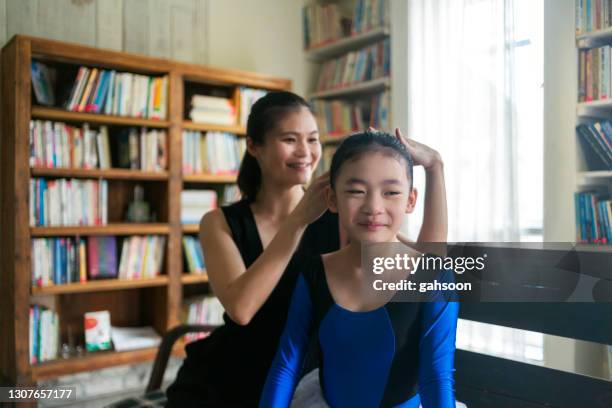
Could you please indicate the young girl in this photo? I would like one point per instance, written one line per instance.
(390, 354)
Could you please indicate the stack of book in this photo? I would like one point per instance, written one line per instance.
(323, 24)
(142, 256)
(202, 310)
(194, 255)
(593, 15)
(339, 117)
(596, 142)
(68, 202)
(196, 203)
(44, 334)
(212, 110)
(212, 152)
(594, 74)
(593, 217)
(56, 144)
(118, 93)
(57, 261)
(364, 65)
(248, 96)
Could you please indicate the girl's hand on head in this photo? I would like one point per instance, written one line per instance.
(313, 204)
(422, 155)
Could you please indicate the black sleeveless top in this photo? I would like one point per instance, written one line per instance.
(229, 367)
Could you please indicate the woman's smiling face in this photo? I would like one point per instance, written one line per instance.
(291, 150)
(372, 195)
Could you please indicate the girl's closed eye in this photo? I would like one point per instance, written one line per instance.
(393, 193)
(355, 191)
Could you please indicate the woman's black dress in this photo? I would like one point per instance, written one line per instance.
(229, 368)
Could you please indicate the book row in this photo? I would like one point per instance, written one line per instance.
(118, 93)
(594, 74)
(364, 65)
(63, 260)
(205, 310)
(329, 22)
(68, 202)
(193, 255)
(338, 117)
(324, 23)
(44, 334)
(593, 15)
(596, 143)
(212, 152)
(58, 145)
(593, 217)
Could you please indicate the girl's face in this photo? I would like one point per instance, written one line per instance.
(372, 195)
(290, 151)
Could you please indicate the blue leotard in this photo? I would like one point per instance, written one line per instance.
(398, 355)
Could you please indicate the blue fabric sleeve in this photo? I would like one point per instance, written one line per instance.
(437, 352)
(286, 367)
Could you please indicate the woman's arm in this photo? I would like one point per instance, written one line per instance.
(287, 365)
(437, 350)
(242, 291)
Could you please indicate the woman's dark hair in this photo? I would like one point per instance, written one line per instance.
(264, 116)
(359, 143)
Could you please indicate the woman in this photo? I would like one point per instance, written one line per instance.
(253, 250)
(374, 352)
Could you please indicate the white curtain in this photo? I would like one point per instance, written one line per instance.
(461, 89)
(462, 102)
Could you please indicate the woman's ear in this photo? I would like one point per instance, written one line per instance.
(331, 199)
(251, 147)
(412, 198)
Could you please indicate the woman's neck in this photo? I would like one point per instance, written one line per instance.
(277, 202)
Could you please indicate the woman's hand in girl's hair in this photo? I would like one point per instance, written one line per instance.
(422, 155)
(313, 204)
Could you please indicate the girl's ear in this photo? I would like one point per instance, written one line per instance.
(412, 198)
(331, 199)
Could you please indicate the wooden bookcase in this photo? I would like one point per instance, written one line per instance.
(155, 301)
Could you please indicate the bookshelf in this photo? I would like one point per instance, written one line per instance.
(350, 60)
(154, 301)
(593, 139)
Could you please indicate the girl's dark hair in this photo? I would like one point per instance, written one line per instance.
(359, 143)
(264, 116)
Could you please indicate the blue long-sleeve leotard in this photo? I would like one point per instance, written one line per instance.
(398, 355)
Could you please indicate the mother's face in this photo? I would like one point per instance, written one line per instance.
(291, 150)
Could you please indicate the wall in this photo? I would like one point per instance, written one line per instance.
(263, 36)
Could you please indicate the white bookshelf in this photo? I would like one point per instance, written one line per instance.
(317, 55)
(368, 87)
(347, 44)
